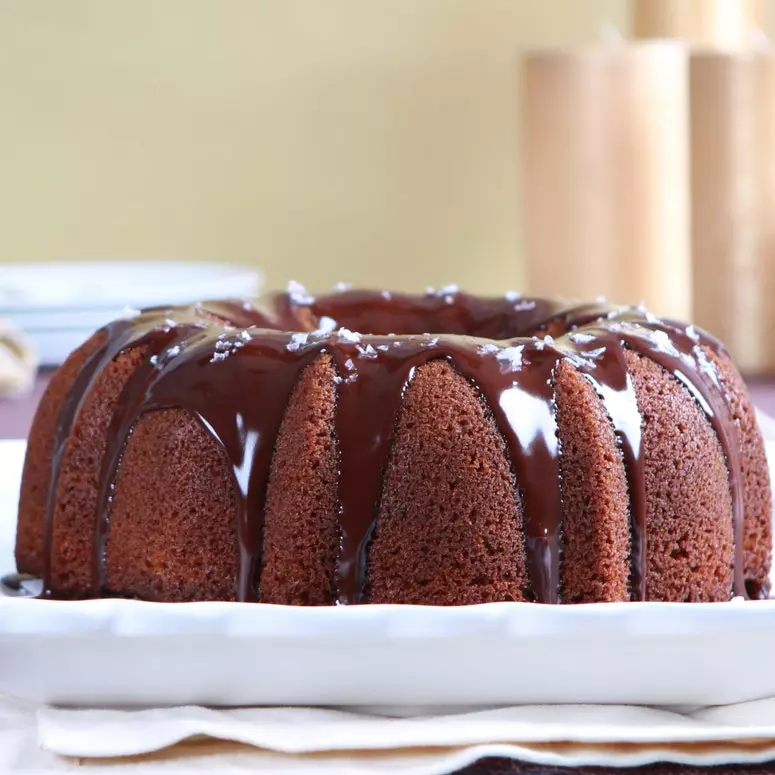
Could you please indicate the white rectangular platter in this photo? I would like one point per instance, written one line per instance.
(122, 652)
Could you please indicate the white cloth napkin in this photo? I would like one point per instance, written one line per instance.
(18, 362)
(324, 740)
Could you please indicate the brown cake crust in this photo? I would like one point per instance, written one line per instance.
(72, 544)
(36, 477)
(449, 524)
(596, 521)
(173, 526)
(689, 536)
(301, 534)
(448, 458)
(757, 527)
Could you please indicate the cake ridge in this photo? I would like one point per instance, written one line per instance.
(515, 370)
(159, 326)
(689, 364)
(625, 418)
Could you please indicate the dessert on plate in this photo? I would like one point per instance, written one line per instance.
(373, 447)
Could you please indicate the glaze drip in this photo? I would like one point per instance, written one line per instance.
(606, 369)
(373, 377)
(238, 382)
(158, 330)
(682, 355)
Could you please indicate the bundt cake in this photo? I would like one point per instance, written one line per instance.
(525, 450)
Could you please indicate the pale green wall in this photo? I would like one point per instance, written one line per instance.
(373, 141)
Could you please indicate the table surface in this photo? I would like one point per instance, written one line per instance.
(16, 413)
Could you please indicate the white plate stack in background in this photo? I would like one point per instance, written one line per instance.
(58, 306)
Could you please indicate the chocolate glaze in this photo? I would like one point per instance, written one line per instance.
(682, 352)
(158, 329)
(604, 366)
(233, 365)
(447, 311)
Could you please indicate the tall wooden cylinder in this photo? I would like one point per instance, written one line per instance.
(567, 229)
(649, 158)
(733, 201)
(764, 167)
(606, 175)
(719, 23)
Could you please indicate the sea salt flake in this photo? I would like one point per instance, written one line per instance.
(342, 287)
(366, 351)
(579, 337)
(489, 349)
(326, 325)
(130, 312)
(348, 336)
(546, 341)
(299, 294)
(664, 342)
(512, 296)
(297, 342)
(511, 356)
(524, 305)
(445, 291)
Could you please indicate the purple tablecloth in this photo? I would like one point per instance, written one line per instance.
(16, 413)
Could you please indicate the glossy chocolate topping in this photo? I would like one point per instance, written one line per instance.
(235, 364)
